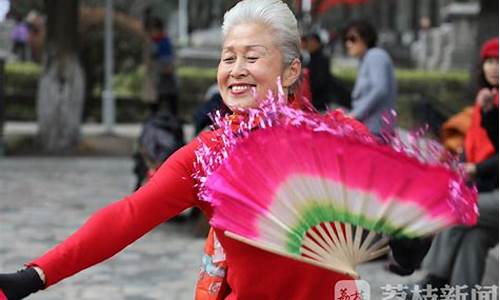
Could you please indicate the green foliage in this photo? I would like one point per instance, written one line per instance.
(128, 84)
(198, 73)
(128, 44)
(21, 78)
(410, 76)
(446, 89)
(25, 68)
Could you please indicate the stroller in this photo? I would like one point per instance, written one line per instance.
(161, 135)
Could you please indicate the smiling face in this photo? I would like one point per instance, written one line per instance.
(250, 61)
(490, 69)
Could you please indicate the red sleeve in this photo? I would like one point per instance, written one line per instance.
(342, 117)
(112, 228)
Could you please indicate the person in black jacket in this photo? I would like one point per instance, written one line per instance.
(325, 88)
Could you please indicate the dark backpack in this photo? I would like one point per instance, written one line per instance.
(161, 136)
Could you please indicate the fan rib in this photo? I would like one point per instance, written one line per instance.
(380, 244)
(348, 235)
(370, 187)
(314, 247)
(339, 269)
(317, 238)
(413, 217)
(324, 257)
(367, 241)
(357, 242)
(386, 210)
(325, 237)
(389, 206)
(329, 247)
(343, 242)
(375, 254)
(325, 186)
(289, 206)
(306, 250)
(273, 218)
(337, 240)
(342, 179)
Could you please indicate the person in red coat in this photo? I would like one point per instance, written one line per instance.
(261, 44)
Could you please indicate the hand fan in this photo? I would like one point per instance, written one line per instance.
(322, 198)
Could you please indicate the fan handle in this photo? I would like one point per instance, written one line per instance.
(345, 271)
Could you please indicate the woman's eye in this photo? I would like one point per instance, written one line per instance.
(252, 58)
(228, 59)
(491, 60)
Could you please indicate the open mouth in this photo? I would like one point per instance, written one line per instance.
(242, 88)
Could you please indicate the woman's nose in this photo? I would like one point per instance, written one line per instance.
(239, 69)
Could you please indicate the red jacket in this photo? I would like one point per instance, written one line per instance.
(252, 273)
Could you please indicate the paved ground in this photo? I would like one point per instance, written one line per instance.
(45, 199)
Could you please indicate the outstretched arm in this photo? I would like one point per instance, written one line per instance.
(117, 225)
(113, 227)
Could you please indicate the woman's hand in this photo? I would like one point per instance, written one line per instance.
(470, 169)
(485, 99)
(20, 284)
(408, 254)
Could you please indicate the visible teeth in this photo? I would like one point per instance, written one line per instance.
(239, 88)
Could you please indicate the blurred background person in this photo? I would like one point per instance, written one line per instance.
(325, 88)
(36, 36)
(304, 90)
(421, 47)
(212, 101)
(161, 133)
(161, 88)
(375, 89)
(164, 63)
(458, 256)
(19, 36)
(304, 52)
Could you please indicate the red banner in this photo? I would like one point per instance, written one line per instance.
(325, 5)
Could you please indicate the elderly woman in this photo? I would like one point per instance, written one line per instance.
(261, 44)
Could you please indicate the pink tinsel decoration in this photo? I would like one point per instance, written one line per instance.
(274, 111)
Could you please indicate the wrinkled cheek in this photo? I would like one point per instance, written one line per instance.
(264, 92)
(222, 76)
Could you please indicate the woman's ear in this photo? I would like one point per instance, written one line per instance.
(291, 73)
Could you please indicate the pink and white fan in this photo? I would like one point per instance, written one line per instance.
(321, 197)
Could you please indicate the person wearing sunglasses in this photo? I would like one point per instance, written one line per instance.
(375, 89)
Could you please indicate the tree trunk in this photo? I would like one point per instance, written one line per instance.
(62, 85)
(60, 101)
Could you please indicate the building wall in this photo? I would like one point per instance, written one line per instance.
(397, 22)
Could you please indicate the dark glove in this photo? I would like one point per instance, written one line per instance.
(20, 284)
(408, 254)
